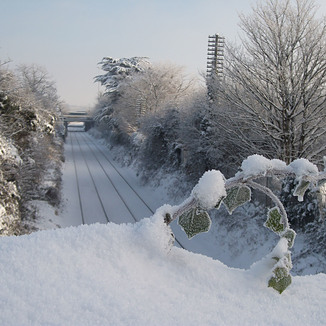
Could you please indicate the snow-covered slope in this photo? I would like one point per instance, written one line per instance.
(129, 274)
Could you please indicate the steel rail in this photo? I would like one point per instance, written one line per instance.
(92, 178)
(124, 179)
(77, 182)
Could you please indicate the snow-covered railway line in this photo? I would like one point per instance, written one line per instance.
(93, 181)
(80, 205)
(99, 199)
(132, 201)
(98, 154)
(108, 173)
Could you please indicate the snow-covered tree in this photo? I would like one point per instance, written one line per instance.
(136, 92)
(36, 81)
(276, 81)
(157, 88)
(117, 72)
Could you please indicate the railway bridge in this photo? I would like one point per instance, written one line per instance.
(79, 116)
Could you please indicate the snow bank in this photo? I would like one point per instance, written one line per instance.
(128, 274)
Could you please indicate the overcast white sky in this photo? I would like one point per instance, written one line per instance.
(69, 37)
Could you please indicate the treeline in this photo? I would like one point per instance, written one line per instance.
(30, 152)
(155, 111)
(270, 100)
(163, 118)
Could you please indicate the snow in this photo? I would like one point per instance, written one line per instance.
(9, 151)
(259, 165)
(210, 189)
(128, 274)
(278, 164)
(302, 167)
(265, 265)
(2, 211)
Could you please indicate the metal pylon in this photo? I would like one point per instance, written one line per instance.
(215, 55)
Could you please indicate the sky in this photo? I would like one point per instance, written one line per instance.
(70, 37)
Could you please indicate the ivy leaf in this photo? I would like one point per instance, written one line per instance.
(290, 236)
(274, 221)
(281, 279)
(195, 221)
(286, 260)
(219, 203)
(300, 189)
(321, 182)
(235, 197)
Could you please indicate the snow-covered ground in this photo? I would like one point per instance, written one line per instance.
(109, 274)
(128, 274)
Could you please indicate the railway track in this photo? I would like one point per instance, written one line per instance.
(77, 182)
(102, 188)
(93, 181)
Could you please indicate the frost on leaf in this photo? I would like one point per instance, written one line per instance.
(235, 197)
(219, 203)
(195, 221)
(289, 235)
(274, 221)
(301, 189)
(280, 280)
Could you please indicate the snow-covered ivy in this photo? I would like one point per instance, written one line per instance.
(213, 190)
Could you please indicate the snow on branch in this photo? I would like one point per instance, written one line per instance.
(213, 190)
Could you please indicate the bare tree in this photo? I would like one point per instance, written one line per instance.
(277, 79)
(157, 88)
(36, 82)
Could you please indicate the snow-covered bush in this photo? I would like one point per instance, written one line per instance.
(9, 197)
(159, 146)
(213, 190)
(29, 111)
(9, 207)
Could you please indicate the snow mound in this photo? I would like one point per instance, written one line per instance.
(302, 166)
(210, 189)
(129, 274)
(259, 165)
